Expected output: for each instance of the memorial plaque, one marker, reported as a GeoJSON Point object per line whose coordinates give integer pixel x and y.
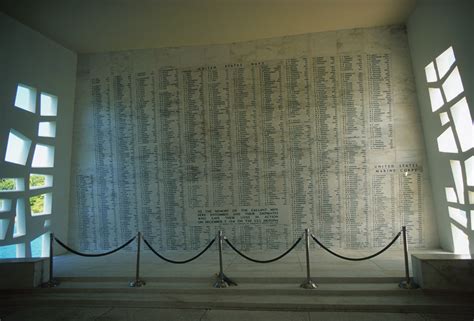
{"type": "Point", "coordinates": [261, 139]}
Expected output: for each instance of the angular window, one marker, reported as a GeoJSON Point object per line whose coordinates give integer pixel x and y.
{"type": "Point", "coordinates": [457, 138]}
{"type": "Point", "coordinates": [43, 156]}
{"type": "Point", "coordinates": [49, 105]}
{"type": "Point", "coordinates": [5, 205]}
{"type": "Point", "coordinates": [445, 61]}
{"type": "Point", "coordinates": [18, 147]}
{"type": "Point", "coordinates": [26, 98]}
{"type": "Point", "coordinates": [446, 142]}
{"type": "Point", "coordinates": [19, 229]}
{"type": "Point", "coordinates": [12, 184]}
{"type": "Point", "coordinates": [430, 72]}
{"type": "Point", "coordinates": [463, 124]}
{"type": "Point", "coordinates": [452, 86]}
{"type": "Point", "coordinates": [3, 228]}
{"type": "Point", "coordinates": [40, 181]}
{"type": "Point", "coordinates": [47, 129]}
{"type": "Point", "coordinates": [41, 204]}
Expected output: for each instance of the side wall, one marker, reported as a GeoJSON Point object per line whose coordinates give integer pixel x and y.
{"type": "Point", "coordinates": [433, 27]}
{"type": "Point", "coordinates": [31, 59]}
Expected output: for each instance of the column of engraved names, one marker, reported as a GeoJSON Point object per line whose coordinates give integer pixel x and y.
{"type": "Point", "coordinates": [385, 222]}
{"type": "Point", "coordinates": [380, 101]}
{"type": "Point", "coordinates": [87, 233]}
{"type": "Point", "coordinates": [244, 134]}
{"type": "Point", "coordinates": [299, 140]}
{"type": "Point", "coordinates": [124, 166]}
{"type": "Point", "coordinates": [242, 95]}
{"type": "Point", "coordinates": [104, 163]}
{"type": "Point", "coordinates": [327, 151]}
{"type": "Point", "coordinates": [410, 198]}
{"type": "Point", "coordinates": [220, 160]}
{"type": "Point", "coordinates": [148, 151]}
{"type": "Point", "coordinates": [273, 146]}
{"type": "Point", "coordinates": [354, 151]}
{"type": "Point", "coordinates": [171, 167]}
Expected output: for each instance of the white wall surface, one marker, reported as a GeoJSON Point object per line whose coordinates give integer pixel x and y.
{"type": "Point", "coordinates": [433, 27]}
{"type": "Point", "coordinates": [29, 58]}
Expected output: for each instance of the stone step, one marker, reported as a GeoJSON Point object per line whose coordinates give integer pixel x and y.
{"type": "Point", "coordinates": [404, 302]}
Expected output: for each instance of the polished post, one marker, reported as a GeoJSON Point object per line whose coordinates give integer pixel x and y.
{"type": "Point", "coordinates": [308, 283]}
{"type": "Point", "coordinates": [51, 282]}
{"type": "Point", "coordinates": [222, 280]}
{"type": "Point", "coordinates": [138, 282]}
{"type": "Point", "coordinates": [407, 283]}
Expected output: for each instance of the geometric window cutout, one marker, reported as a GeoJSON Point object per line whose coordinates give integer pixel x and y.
{"type": "Point", "coordinates": [471, 197]}
{"type": "Point", "coordinates": [5, 205]}
{"type": "Point", "coordinates": [463, 124]}
{"type": "Point", "coordinates": [47, 129]}
{"type": "Point", "coordinates": [26, 98]}
{"type": "Point", "coordinates": [40, 246]}
{"type": "Point", "coordinates": [446, 142]}
{"type": "Point", "coordinates": [458, 215]}
{"type": "Point", "coordinates": [460, 240]}
{"type": "Point", "coordinates": [47, 223]}
{"type": "Point", "coordinates": [43, 156]}
{"type": "Point", "coordinates": [458, 181]}
{"type": "Point", "coordinates": [431, 73]}
{"type": "Point", "coordinates": [469, 167]}
{"type": "Point", "coordinates": [436, 99]}
{"type": "Point", "coordinates": [451, 195]}
{"type": "Point", "coordinates": [49, 105]}
{"type": "Point", "coordinates": [8, 251]}
{"type": "Point", "coordinates": [3, 228]}
{"type": "Point", "coordinates": [452, 86]}
{"type": "Point", "coordinates": [41, 204]}
{"type": "Point", "coordinates": [18, 147]}
{"type": "Point", "coordinates": [445, 61]}
{"type": "Point", "coordinates": [19, 227]}
{"type": "Point", "coordinates": [40, 181]}
{"type": "Point", "coordinates": [12, 184]}
{"type": "Point", "coordinates": [444, 118]}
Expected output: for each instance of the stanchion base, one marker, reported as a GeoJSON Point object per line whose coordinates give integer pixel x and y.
{"type": "Point", "coordinates": [50, 284]}
{"type": "Point", "coordinates": [408, 285]}
{"type": "Point", "coordinates": [137, 283]}
{"type": "Point", "coordinates": [308, 284]}
{"type": "Point", "coordinates": [223, 282]}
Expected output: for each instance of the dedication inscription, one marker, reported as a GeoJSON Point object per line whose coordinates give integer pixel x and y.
{"type": "Point", "coordinates": [261, 139]}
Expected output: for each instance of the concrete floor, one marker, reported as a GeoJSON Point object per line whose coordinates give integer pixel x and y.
{"type": "Point", "coordinates": [151, 314]}
{"type": "Point", "coordinates": [97, 289]}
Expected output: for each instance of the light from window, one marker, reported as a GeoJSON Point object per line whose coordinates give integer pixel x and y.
{"type": "Point", "coordinates": [26, 98]}
{"type": "Point", "coordinates": [49, 105]}
{"type": "Point", "coordinates": [18, 147]}
{"type": "Point", "coordinates": [43, 156]}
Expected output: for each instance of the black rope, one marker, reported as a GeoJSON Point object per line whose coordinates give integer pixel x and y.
{"type": "Point", "coordinates": [178, 262]}
{"type": "Point", "coordinates": [263, 261]}
{"type": "Point", "coordinates": [94, 255]}
{"type": "Point", "coordinates": [359, 258]}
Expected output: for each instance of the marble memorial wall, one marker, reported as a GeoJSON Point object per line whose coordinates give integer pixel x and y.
{"type": "Point", "coordinates": [261, 139]}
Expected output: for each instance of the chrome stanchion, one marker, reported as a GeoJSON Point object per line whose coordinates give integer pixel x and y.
{"type": "Point", "coordinates": [308, 283]}
{"type": "Point", "coordinates": [222, 280]}
{"type": "Point", "coordinates": [407, 283]}
{"type": "Point", "coordinates": [138, 282]}
{"type": "Point", "coordinates": [51, 282]}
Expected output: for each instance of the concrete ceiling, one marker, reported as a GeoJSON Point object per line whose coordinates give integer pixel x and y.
{"type": "Point", "coordinates": [109, 25]}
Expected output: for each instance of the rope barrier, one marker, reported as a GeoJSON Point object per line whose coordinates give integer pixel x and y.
{"type": "Point", "coordinates": [263, 261]}
{"type": "Point", "coordinates": [94, 255]}
{"type": "Point", "coordinates": [178, 262]}
{"type": "Point", "coordinates": [360, 258]}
